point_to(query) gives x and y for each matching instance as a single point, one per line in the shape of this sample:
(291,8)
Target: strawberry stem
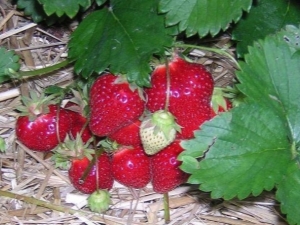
(166,208)
(97,154)
(168,84)
(48,205)
(43,71)
(215,50)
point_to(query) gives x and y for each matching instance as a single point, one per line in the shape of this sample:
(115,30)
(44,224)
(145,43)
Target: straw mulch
(34,192)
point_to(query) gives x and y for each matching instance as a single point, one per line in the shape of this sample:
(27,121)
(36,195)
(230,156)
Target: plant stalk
(42,71)
(166,208)
(215,50)
(168,85)
(55,207)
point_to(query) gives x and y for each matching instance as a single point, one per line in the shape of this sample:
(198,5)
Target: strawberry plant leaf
(255,146)
(289,195)
(242,142)
(115,38)
(33,9)
(266,17)
(201,16)
(8,64)
(68,7)
(271,76)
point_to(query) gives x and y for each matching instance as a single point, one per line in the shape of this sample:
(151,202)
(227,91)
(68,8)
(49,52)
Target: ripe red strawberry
(131,167)
(37,126)
(79,123)
(128,135)
(191,87)
(166,174)
(113,105)
(89,185)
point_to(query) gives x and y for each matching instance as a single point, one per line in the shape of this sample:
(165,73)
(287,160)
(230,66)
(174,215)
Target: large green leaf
(271,76)
(255,146)
(68,7)
(9,64)
(266,17)
(202,16)
(122,37)
(33,9)
(238,161)
(289,195)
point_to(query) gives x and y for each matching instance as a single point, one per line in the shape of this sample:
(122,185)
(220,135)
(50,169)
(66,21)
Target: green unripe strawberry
(157,131)
(99,201)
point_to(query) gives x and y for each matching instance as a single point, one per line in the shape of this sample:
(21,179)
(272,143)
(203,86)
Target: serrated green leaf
(8,64)
(202,16)
(68,7)
(123,38)
(35,10)
(243,154)
(265,17)
(271,76)
(289,195)
(291,35)
(258,148)
(32,8)
(198,146)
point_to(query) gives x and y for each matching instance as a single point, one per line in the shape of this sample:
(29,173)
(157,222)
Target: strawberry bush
(232,153)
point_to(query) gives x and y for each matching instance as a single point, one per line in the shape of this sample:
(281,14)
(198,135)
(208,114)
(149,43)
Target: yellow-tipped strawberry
(157,131)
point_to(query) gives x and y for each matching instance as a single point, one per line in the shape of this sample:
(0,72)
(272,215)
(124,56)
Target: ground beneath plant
(34,192)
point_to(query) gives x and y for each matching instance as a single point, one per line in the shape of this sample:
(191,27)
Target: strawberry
(191,87)
(88,184)
(158,131)
(131,167)
(82,171)
(99,201)
(79,123)
(166,174)
(113,105)
(39,122)
(128,135)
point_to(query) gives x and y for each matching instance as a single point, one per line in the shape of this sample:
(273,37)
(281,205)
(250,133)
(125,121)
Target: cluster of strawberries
(147,124)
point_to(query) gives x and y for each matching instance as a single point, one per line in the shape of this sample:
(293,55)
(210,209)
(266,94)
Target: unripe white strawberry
(157,131)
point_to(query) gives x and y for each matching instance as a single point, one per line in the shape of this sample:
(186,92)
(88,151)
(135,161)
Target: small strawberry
(166,174)
(99,201)
(190,90)
(39,123)
(87,184)
(128,135)
(157,131)
(113,105)
(82,171)
(131,167)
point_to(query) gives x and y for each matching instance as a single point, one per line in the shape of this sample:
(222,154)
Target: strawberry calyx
(219,100)
(72,149)
(79,102)
(35,105)
(122,79)
(99,201)
(163,121)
